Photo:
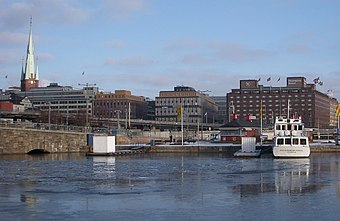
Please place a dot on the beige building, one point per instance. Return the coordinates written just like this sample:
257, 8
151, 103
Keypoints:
197, 106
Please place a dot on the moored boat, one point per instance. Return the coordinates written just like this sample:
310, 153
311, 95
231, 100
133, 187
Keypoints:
289, 138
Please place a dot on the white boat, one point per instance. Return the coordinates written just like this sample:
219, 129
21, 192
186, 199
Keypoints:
289, 138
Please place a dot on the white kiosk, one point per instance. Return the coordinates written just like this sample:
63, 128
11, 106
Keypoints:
104, 144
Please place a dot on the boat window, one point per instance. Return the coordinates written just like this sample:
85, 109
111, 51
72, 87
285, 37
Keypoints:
303, 141
289, 127
288, 141
295, 127
300, 127
283, 127
278, 127
295, 141
280, 141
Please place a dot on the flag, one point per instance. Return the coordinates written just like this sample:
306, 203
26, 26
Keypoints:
83, 73
6, 76
316, 80
337, 112
320, 83
278, 79
268, 79
259, 79
179, 111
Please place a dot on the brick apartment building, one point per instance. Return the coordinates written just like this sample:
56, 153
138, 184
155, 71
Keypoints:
316, 108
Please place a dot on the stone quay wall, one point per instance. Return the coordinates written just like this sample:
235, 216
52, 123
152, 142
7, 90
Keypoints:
20, 141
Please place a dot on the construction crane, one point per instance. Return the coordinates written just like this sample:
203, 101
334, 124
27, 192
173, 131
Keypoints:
87, 85
205, 92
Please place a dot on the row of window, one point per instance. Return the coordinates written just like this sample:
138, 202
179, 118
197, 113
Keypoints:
58, 102
266, 91
290, 141
289, 127
175, 119
164, 101
270, 96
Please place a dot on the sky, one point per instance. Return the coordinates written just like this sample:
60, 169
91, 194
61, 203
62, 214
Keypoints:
147, 46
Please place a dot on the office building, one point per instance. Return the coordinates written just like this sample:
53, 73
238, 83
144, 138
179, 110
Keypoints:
196, 106
251, 99
221, 102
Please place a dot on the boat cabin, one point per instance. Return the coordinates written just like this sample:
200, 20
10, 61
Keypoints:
288, 141
288, 127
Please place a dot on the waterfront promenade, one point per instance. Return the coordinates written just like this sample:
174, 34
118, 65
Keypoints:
18, 139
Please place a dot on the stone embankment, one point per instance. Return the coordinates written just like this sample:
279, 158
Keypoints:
18, 141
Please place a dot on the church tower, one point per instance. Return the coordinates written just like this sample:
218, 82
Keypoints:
29, 72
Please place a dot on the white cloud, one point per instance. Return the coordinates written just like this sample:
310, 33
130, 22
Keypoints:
299, 49
216, 51
121, 9
184, 44
12, 38
116, 43
239, 53
129, 61
10, 57
14, 15
45, 57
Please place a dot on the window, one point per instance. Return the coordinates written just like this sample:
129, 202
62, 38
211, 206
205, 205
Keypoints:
303, 141
288, 141
280, 141
295, 141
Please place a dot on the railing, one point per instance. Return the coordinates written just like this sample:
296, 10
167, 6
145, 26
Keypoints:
45, 126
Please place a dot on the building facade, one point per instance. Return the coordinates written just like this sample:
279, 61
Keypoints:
252, 99
197, 107
122, 103
221, 102
61, 100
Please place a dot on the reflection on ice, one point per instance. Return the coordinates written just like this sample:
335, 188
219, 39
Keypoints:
104, 164
284, 176
294, 178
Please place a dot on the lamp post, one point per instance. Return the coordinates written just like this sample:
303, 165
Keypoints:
205, 115
118, 124
49, 115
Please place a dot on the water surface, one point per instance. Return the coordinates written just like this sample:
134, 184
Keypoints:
169, 187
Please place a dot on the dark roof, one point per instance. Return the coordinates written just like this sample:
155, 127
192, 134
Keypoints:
241, 123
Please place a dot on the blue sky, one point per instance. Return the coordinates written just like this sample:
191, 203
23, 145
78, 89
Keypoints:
147, 46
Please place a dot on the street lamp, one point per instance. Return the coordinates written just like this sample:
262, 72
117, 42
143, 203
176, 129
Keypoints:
118, 124
49, 115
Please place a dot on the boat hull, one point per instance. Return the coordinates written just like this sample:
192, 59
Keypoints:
291, 151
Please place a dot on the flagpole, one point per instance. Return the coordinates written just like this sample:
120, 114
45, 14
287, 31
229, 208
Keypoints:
337, 114
182, 123
261, 121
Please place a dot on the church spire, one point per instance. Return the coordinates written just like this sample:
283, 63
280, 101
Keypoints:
29, 76
29, 71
